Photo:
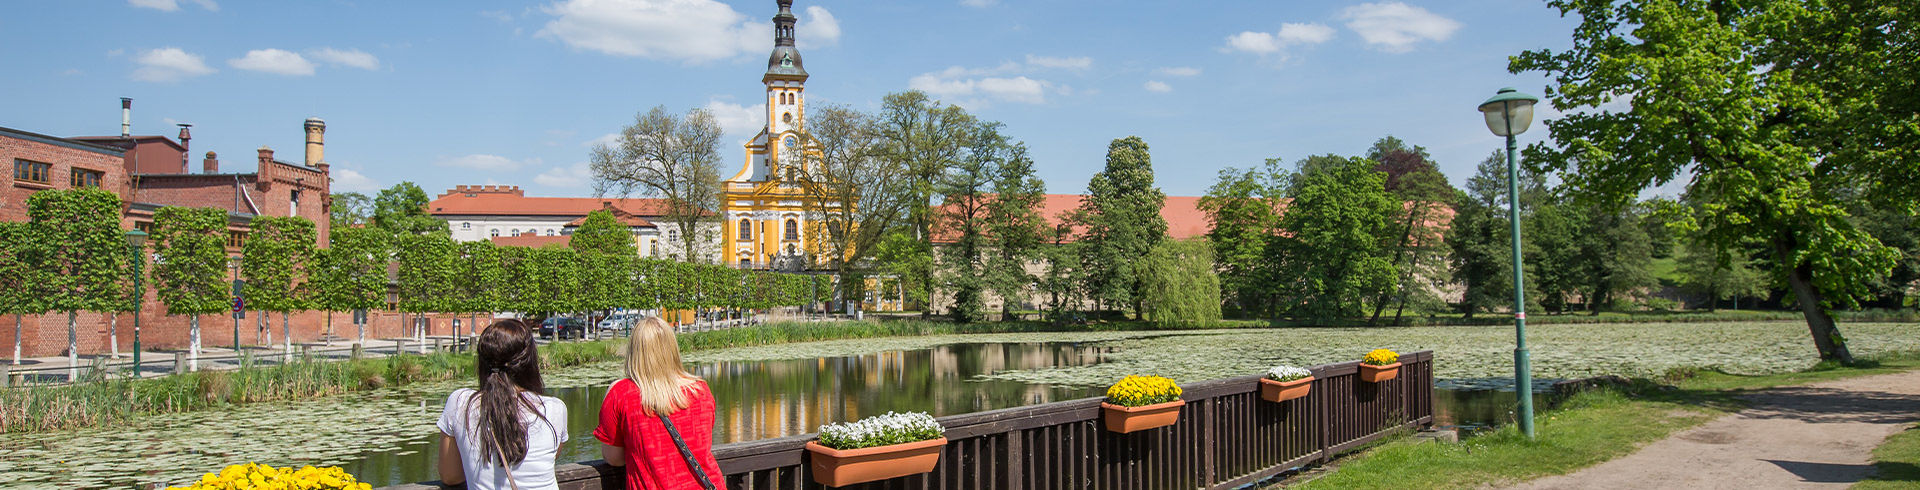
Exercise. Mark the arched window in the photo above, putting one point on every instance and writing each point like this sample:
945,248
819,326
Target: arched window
515,232
549,231
786,117
746,263
493,232
793,229
746,229
466,226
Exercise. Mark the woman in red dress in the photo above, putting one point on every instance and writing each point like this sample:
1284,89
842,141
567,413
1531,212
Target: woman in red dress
658,421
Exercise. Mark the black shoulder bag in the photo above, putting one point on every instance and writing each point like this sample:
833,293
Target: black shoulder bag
692,464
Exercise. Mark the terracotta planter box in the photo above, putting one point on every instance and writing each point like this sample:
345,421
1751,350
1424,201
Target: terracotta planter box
1128,419
1375,374
838,468
1280,391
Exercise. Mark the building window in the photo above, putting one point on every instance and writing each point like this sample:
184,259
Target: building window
793,229
236,239
81,177
746,263
293,204
746,229
35,172
673,235
549,231
516,232
494,233
466,226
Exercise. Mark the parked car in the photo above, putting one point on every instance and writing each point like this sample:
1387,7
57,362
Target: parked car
619,322
563,327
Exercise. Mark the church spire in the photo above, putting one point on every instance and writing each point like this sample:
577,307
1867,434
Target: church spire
784,63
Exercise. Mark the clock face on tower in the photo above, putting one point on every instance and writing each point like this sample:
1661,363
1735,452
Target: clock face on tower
792,143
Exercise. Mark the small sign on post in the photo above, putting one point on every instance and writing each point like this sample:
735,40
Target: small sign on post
360,316
239,308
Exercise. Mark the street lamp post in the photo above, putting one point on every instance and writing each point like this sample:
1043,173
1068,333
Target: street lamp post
1508,113
238,309
137,239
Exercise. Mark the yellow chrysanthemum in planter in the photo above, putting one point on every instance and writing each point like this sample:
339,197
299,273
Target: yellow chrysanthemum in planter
1138,391
1380,357
252,475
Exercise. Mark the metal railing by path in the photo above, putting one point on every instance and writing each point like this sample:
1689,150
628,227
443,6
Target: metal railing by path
1226,437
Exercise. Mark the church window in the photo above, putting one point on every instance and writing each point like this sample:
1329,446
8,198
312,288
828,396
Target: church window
746,229
786,118
792,230
746,263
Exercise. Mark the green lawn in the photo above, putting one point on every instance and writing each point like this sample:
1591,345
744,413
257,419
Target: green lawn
1595,426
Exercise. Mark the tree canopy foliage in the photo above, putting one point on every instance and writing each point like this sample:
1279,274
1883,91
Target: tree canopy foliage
1122,223
402,210
672,157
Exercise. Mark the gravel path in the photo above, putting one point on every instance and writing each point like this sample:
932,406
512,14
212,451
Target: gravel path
1815,436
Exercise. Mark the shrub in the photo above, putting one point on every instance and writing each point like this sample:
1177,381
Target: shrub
1139,391
881,430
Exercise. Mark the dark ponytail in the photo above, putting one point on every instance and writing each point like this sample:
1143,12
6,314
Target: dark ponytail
507,360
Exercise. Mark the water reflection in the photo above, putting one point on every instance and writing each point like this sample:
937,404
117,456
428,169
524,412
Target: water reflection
767,399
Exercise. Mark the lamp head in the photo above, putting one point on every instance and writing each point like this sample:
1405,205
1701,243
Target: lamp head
136,238
1508,112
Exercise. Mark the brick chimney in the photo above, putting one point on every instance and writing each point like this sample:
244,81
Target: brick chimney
212,164
266,165
186,139
316,142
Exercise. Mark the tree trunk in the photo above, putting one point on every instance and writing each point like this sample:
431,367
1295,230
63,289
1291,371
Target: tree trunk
1826,335
329,327
1401,310
265,332
286,329
193,343
73,346
16,339
113,334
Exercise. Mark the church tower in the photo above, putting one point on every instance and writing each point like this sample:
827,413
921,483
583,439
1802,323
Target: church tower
766,211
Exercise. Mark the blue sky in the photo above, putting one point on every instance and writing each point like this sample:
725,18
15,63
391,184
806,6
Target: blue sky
479,92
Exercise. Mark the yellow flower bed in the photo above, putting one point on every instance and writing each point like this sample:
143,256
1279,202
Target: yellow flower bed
1380,357
1137,391
252,476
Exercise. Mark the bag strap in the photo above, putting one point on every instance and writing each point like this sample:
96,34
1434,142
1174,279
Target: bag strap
500,453
692,464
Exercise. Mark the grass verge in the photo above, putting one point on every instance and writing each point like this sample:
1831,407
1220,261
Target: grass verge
1898,462
1592,427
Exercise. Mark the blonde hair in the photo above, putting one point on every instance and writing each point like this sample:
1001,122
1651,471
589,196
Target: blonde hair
653,363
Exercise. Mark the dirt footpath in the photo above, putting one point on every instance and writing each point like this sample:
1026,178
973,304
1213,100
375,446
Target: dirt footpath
1815,436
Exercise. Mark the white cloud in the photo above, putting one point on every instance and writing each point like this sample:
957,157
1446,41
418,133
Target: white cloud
1158,86
275,61
173,5
1304,33
685,30
962,83
348,180
608,139
1395,27
484,162
979,3
1075,63
739,121
1179,71
1290,34
351,57
576,175
168,65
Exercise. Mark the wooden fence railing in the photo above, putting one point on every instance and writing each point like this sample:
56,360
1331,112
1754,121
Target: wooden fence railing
1226,437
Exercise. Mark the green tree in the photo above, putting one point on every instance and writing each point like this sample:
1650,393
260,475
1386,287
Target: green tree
675,158
1418,253
1718,272
1123,223
602,233
1181,287
1331,254
189,272
429,269
1242,206
351,274
1772,106
351,209
851,168
962,218
1615,256
277,261
1016,228
1481,241
22,250
402,210
928,138
88,264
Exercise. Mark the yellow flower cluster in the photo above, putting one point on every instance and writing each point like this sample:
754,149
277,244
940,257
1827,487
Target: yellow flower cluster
1136,391
1380,357
252,476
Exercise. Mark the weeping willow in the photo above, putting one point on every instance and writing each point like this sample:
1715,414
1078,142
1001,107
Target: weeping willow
1180,285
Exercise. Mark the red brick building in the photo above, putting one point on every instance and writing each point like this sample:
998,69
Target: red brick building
149,172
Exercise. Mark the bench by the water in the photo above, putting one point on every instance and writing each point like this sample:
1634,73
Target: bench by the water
1226,437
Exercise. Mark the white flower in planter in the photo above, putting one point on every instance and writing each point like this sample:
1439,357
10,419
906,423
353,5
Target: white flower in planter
1284,373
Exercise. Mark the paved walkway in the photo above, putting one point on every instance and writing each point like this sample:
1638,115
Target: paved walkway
1815,436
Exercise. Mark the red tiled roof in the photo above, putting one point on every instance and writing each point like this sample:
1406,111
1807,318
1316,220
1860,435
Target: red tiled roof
531,240
495,200
619,215
1183,215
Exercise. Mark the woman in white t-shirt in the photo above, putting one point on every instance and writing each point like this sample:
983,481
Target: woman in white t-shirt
507,423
